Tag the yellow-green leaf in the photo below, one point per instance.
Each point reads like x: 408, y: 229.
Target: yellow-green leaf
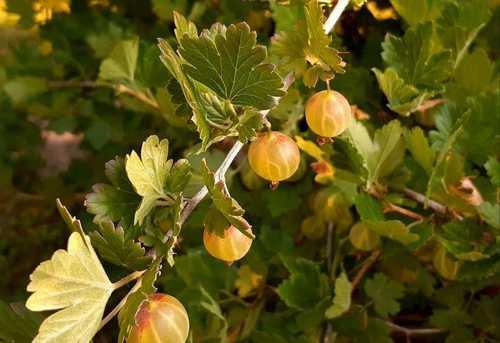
x: 363, y: 238
x: 342, y: 298
x: 148, y: 173
x: 74, y: 282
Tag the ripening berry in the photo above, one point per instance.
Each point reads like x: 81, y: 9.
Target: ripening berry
x: 160, y: 319
x: 232, y: 247
x: 328, y: 113
x: 274, y: 156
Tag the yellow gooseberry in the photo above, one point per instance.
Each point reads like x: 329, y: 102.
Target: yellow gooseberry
x: 160, y: 319
x: 231, y: 247
x: 328, y: 113
x: 274, y: 156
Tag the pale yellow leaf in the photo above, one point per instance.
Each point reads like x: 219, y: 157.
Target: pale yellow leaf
x: 74, y: 282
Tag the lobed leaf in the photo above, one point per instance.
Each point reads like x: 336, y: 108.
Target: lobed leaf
x: 229, y: 62
x: 384, y: 292
x: 112, y: 245
x: 73, y: 282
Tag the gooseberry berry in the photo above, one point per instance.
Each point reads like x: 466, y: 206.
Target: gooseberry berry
x: 160, y: 319
x: 328, y: 113
x: 274, y: 156
x: 223, y: 240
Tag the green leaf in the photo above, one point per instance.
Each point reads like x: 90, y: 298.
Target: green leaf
x: 179, y: 176
x: 195, y: 266
x: 148, y: 174
x: 389, y: 150
x: 403, y: 98
x: 393, y: 229
x: 224, y: 203
x: 210, y: 305
x: 342, y: 298
x: 228, y: 62
x: 74, y: 282
x: 212, y: 116
x: 416, y: 59
x: 382, y: 155
x: 358, y: 137
x: 368, y: 208
x: 420, y: 149
x: 121, y: 62
x: 384, y: 292
x: 249, y: 123
x: 145, y: 286
x: 24, y: 88
x: 306, y: 285
x: 282, y: 200
x: 17, y: 325
x: 418, y: 11
x: 461, y: 239
x: 116, y: 201
x: 450, y: 319
x: 307, y: 52
x: 451, y: 135
x: 480, y: 137
x: 112, y: 245
x: 289, y: 111
x: 486, y: 315
x: 467, y: 84
x: 490, y: 213
x: 459, y: 25
x: 493, y: 169
x: 363, y: 238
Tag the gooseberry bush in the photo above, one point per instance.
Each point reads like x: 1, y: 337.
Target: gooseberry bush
x: 310, y: 171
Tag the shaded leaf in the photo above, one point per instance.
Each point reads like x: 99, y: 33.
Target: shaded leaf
x: 121, y: 62
x: 115, y: 248
x: 384, y: 292
x: 17, y: 326
x: 306, y: 285
x: 116, y: 201
x: 393, y: 229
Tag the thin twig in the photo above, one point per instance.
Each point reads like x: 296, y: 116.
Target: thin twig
x: 335, y: 15
x: 329, y: 248
x: 414, y: 332
x: 433, y: 205
x: 130, y: 277
x: 120, y: 88
x: 390, y: 207
x: 364, y: 268
x: 118, y: 307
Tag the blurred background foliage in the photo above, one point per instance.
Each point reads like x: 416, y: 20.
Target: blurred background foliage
x: 60, y: 122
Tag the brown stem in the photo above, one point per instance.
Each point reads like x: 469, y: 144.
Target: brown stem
x: 390, y: 207
x: 414, y: 332
x: 118, y: 307
x: 433, y: 205
x: 144, y: 97
x: 365, y: 267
